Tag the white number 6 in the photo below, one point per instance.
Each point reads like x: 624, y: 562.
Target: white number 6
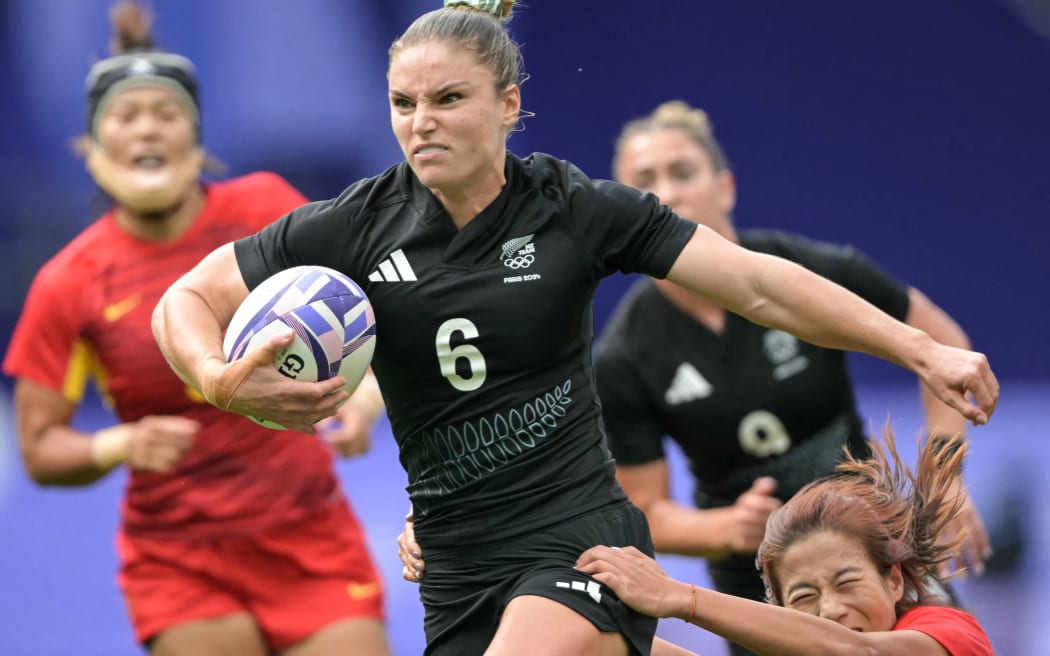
x: 447, y: 355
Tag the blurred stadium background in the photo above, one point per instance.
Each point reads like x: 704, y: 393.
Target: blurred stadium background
x: 917, y: 131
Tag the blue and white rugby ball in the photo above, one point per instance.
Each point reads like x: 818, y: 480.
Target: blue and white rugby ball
x: 333, y: 322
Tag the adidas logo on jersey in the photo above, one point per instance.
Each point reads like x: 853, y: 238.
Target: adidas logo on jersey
x: 393, y: 269
x: 687, y: 385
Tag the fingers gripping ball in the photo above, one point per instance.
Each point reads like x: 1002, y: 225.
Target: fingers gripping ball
x: 332, y: 319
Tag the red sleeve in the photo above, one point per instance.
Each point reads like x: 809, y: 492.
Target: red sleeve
x: 46, y: 346
x: 956, y: 630
x: 275, y: 197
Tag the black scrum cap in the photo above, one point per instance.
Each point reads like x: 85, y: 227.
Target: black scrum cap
x: 146, y: 68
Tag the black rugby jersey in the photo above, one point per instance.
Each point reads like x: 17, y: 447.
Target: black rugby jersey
x: 483, y: 335
x: 751, y: 401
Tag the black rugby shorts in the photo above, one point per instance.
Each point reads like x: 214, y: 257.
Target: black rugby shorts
x: 465, y: 591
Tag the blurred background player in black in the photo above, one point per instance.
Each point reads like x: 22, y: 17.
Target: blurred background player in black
x: 235, y: 540
x: 756, y: 412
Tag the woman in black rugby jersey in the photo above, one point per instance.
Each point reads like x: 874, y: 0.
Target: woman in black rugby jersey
x: 481, y: 267
x: 758, y: 413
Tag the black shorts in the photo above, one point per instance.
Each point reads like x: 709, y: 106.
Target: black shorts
x: 465, y: 591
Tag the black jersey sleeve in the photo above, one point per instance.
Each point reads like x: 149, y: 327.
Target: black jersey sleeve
x: 278, y: 246
x: 632, y: 418
x: 842, y: 264
x: 320, y: 233
x: 624, y: 229
x: 632, y: 425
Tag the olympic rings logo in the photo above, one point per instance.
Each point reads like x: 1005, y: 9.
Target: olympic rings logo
x: 520, y: 262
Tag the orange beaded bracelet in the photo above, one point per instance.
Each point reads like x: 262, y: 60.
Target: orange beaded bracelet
x: 692, y: 607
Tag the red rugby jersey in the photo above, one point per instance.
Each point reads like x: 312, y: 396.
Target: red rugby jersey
x: 957, y: 631
x: 88, y: 314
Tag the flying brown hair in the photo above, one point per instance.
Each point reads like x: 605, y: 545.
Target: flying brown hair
x: 896, y: 514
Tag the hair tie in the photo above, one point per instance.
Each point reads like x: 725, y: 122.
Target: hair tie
x: 494, y: 7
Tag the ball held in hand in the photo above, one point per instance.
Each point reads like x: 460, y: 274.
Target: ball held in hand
x: 331, y: 317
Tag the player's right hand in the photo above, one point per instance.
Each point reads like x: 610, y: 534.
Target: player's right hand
x: 749, y: 513
x: 252, y: 386
x: 159, y: 443
x: 956, y: 375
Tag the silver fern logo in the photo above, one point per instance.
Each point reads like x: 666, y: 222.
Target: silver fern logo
x: 519, y: 253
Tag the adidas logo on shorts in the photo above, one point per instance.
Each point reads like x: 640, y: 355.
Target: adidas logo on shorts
x: 590, y: 587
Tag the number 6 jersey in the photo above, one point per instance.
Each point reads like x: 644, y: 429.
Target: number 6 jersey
x: 483, y: 335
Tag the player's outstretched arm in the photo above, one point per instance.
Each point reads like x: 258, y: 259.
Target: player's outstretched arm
x: 763, y: 628
x: 781, y: 294
x: 188, y: 323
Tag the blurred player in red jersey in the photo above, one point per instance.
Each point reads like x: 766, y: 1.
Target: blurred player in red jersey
x: 846, y: 564
x: 235, y: 539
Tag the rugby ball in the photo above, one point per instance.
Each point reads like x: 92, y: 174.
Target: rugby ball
x: 333, y: 322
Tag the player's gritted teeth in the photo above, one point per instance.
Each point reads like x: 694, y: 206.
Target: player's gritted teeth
x: 428, y: 151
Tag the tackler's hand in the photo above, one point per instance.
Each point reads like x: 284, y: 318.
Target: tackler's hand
x: 409, y: 552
